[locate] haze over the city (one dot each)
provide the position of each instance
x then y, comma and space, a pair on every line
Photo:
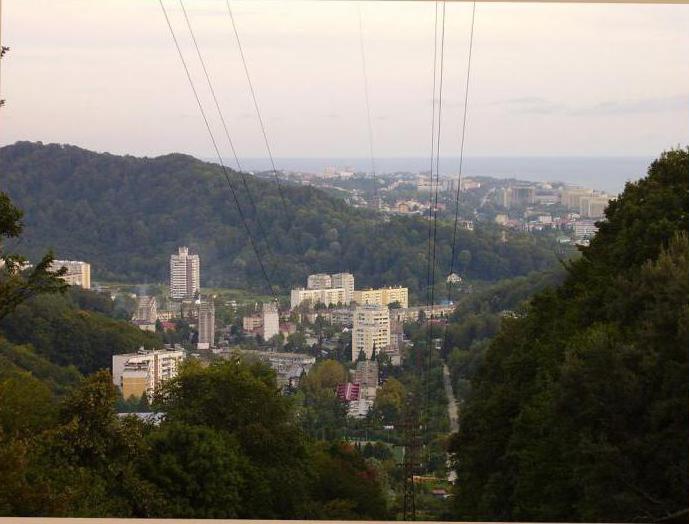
547, 80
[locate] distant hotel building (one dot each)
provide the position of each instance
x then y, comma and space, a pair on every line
78, 273
206, 323
185, 274
371, 328
145, 371
382, 297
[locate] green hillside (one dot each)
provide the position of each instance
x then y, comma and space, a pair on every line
126, 215
579, 409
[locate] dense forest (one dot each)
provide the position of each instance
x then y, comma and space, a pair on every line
126, 215
578, 411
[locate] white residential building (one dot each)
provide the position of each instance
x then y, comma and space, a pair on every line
585, 229
382, 297
185, 274
371, 328
319, 281
331, 296
346, 282
271, 321
206, 323
78, 272
146, 309
145, 371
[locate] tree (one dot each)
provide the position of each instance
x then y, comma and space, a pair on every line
17, 284
577, 411
390, 400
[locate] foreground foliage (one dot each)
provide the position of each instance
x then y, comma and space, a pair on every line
228, 447
579, 410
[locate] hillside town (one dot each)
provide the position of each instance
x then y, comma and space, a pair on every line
327, 318
566, 210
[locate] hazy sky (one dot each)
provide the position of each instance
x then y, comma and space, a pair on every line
547, 79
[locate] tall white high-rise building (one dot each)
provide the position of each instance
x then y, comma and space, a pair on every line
185, 274
206, 323
371, 328
271, 321
346, 282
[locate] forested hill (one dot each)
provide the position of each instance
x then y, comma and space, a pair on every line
126, 215
579, 411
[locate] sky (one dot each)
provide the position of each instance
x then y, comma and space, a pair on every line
547, 79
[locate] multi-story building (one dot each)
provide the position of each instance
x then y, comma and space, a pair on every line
331, 296
584, 229
185, 274
366, 375
319, 281
271, 321
144, 372
346, 282
78, 272
593, 206
570, 196
371, 329
252, 323
382, 297
289, 367
206, 323
411, 314
146, 309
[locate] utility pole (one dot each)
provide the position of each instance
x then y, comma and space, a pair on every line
411, 453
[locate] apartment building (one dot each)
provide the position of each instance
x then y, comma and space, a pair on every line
78, 272
371, 328
252, 323
319, 281
206, 323
346, 282
382, 297
146, 309
593, 206
331, 296
270, 321
570, 196
289, 367
366, 375
185, 274
145, 371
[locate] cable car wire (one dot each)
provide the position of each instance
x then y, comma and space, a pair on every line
217, 151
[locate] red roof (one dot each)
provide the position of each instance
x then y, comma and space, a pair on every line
348, 392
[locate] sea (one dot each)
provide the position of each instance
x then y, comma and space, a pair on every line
601, 173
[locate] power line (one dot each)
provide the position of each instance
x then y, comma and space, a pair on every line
217, 151
430, 348
461, 147
258, 111
430, 193
225, 128
368, 105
